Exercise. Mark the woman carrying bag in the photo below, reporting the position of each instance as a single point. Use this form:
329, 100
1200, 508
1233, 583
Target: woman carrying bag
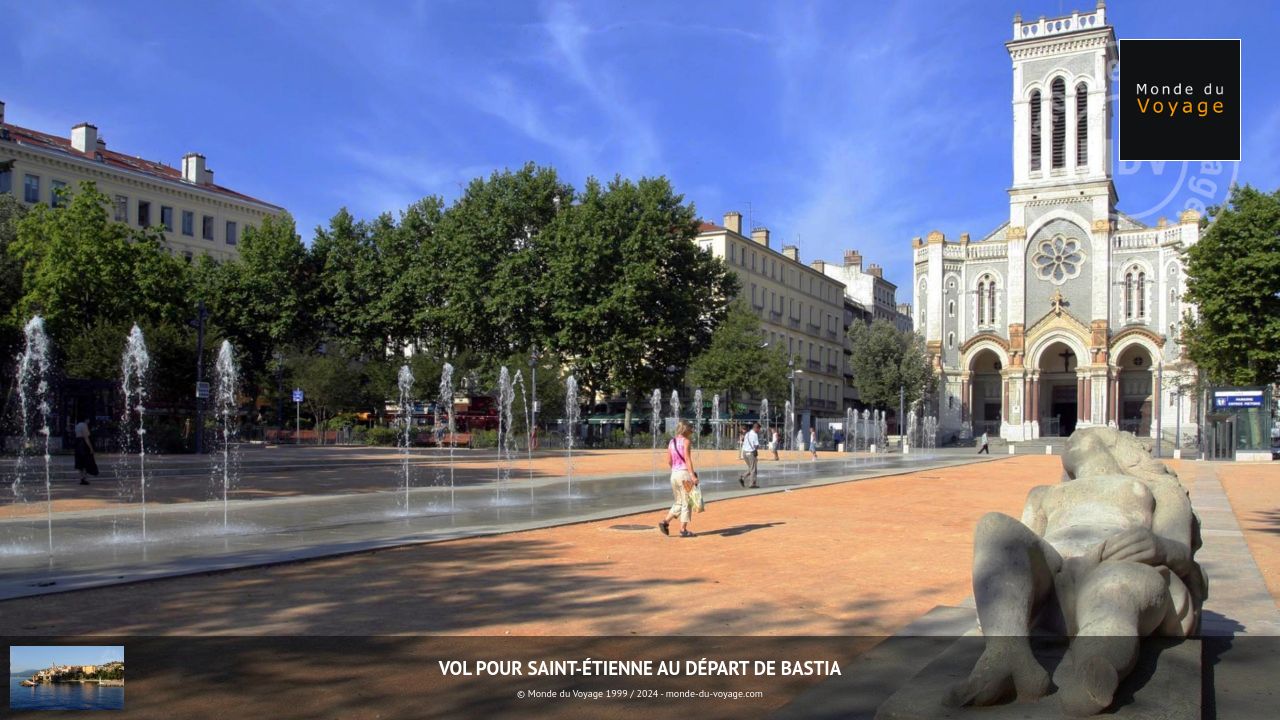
684, 481
85, 462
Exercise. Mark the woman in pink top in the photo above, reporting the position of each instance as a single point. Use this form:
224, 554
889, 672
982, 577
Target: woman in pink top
683, 479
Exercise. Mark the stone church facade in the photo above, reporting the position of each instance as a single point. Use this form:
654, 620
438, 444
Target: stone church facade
1068, 314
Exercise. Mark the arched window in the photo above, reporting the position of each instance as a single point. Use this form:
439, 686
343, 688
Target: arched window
1142, 298
1035, 130
1082, 124
951, 340
951, 308
1058, 108
1128, 295
991, 302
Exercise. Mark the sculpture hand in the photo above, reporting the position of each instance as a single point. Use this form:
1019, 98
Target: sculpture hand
1139, 545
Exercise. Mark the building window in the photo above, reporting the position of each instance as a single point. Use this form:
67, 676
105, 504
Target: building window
166, 217
951, 308
951, 340
122, 208
1128, 295
1082, 124
186, 255
1142, 295
1035, 131
1058, 108
144, 213
6, 179
206, 227
31, 188
733, 253
54, 195
231, 233
188, 223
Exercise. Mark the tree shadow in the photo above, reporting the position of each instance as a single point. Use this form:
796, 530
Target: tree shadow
1267, 521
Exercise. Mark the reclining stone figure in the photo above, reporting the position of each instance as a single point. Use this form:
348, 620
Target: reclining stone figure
1105, 558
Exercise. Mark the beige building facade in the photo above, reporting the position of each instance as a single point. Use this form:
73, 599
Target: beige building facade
801, 310
199, 216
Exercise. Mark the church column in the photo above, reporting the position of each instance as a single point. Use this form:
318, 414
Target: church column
1086, 399
965, 403
1113, 402
1079, 399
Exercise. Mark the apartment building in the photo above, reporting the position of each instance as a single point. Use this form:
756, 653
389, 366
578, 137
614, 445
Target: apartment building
801, 309
198, 216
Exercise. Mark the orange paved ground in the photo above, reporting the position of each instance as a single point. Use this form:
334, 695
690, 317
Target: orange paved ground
102, 492
1254, 492
857, 559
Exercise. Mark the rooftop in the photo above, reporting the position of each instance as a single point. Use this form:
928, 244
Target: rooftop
119, 161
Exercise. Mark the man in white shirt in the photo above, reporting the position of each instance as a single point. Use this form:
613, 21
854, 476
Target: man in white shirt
750, 453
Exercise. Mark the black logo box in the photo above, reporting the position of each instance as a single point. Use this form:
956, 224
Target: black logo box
1186, 69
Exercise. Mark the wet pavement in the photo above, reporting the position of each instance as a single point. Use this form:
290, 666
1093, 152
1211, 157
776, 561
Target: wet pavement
117, 544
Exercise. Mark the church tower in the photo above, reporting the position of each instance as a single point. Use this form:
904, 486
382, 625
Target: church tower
1066, 315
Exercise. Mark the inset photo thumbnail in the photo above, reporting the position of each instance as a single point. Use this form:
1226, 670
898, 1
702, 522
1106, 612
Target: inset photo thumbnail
66, 677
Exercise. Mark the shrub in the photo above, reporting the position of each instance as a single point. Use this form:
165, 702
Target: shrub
484, 438
381, 435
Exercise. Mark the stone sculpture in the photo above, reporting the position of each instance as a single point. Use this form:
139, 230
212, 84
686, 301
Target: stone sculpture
1105, 558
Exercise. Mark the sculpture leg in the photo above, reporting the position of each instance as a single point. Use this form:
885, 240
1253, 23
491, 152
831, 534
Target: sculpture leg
1117, 604
1012, 575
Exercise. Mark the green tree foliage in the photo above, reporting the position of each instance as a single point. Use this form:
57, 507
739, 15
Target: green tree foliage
332, 383
1233, 278
262, 300
631, 294
79, 267
885, 359
11, 211
736, 361
489, 259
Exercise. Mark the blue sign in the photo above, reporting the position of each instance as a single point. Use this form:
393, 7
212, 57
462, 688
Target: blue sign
1237, 399
297, 395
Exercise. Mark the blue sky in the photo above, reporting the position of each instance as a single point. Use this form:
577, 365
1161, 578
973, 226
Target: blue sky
836, 124
38, 657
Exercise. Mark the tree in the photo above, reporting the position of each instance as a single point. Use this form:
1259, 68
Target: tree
737, 362
262, 301
1233, 279
333, 383
11, 211
488, 253
885, 359
632, 296
80, 267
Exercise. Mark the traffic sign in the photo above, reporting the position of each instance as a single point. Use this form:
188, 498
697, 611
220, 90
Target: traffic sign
297, 395
202, 390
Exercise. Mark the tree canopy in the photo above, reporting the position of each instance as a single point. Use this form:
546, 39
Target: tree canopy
885, 359
1233, 280
737, 361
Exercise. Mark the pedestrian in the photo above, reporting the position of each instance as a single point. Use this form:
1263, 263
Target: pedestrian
773, 443
750, 452
683, 479
813, 441
984, 449
85, 461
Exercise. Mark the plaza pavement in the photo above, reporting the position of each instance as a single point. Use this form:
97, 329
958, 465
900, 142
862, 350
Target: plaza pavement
287, 515
850, 561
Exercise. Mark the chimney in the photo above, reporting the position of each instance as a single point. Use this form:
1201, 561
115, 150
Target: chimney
194, 171
761, 236
1, 112
102, 144
876, 270
792, 252
819, 265
84, 138
853, 258
733, 221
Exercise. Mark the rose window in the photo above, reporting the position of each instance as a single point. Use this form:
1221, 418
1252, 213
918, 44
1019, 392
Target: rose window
1058, 259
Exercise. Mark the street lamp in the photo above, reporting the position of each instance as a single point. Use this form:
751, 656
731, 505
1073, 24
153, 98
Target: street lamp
534, 356
791, 376
1158, 397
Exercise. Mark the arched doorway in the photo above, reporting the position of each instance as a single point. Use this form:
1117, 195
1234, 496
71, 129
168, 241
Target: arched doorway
1133, 398
1057, 399
985, 384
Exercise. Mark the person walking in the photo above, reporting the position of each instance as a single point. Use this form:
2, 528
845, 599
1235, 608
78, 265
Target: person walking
683, 479
85, 461
750, 453
984, 448
773, 443
813, 441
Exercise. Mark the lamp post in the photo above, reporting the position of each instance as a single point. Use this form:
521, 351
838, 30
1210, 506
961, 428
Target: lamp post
1158, 396
791, 376
198, 323
902, 408
534, 356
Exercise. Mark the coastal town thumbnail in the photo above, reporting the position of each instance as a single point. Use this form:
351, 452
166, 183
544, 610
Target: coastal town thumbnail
92, 680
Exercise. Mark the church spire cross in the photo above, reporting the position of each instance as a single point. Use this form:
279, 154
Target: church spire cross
1057, 301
